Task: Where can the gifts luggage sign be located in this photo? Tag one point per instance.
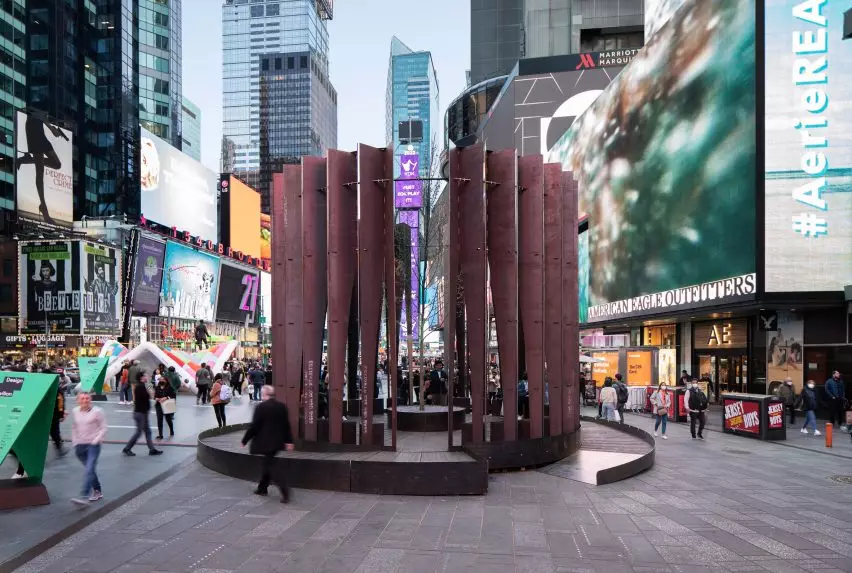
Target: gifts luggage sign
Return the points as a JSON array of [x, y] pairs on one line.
[[93, 374], [26, 411]]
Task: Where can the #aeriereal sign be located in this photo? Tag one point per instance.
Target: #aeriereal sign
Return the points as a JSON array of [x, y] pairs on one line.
[[409, 194], [742, 416]]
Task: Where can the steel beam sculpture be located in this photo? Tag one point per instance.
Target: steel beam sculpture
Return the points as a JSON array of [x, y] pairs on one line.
[[511, 226]]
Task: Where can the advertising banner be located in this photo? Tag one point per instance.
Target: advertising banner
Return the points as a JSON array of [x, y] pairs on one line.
[[26, 410], [148, 276], [607, 368], [694, 193], [775, 411], [409, 194], [45, 182], [785, 351], [266, 239], [190, 281], [667, 365], [639, 371], [808, 147], [101, 271], [742, 416], [242, 230], [238, 294], [412, 219], [51, 289], [177, 191]]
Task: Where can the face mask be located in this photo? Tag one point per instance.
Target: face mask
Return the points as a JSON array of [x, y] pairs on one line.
[[695, 384], [662, 387], [810, 386]]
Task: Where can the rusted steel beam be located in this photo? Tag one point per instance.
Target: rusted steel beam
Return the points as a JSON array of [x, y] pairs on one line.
[[279, 287], [390, 291], [553, 293], [293, 301], [570, 307]]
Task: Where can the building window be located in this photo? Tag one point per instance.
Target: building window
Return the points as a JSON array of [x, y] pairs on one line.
[[303, 62], [264, 65], [272, 10], [291, 63], [277, 63], [257, 11]]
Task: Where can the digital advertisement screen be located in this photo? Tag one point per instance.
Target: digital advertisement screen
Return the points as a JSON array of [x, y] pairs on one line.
[[51, 289], [101, 270], [409, 194], [190, 282], [808, 201], [45, 180], [239, 290], [266, 238], [148, 276], [177, 191], [244, 230], [666, 162], [639, 370], [607, 368]]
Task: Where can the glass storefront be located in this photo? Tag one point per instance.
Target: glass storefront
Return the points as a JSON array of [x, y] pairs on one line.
[[720, 356]]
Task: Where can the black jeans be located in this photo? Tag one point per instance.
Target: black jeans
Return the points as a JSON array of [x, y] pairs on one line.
[[267, 475], [169, 420], [792, 409], [620, 409], [219, 410], [54, 433], [697, 417], [837, 410], [143, 426], [203, 395]]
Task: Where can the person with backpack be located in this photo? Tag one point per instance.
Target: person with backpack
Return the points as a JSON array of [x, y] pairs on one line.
[[202, 382], [696, 403], [808, 400], [220, 395], [622, 394]]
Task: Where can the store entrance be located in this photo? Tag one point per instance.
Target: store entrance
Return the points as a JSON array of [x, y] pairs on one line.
[[727, 372]]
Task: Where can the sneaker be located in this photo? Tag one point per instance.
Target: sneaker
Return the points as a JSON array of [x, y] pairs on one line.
[[694, 438], [81, 501], [155, 452], [804, 431], [817, 433], [656, 434], [262, 492], [19, 476], [700, 437], [159, 437], [128, 453], [96, 496], [62, 452], [664, 437], [843, 427]]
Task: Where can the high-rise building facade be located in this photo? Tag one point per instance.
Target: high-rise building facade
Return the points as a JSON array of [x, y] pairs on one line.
[[258, 136], [160, 88], [504, 31], [191, 129], [13, 86], [83, 74], [411, 103]]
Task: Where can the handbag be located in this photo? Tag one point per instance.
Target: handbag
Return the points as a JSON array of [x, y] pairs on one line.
[[169, 406], [662, 411]]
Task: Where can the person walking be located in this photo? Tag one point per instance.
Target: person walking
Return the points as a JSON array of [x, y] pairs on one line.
[[220, 395], [788, 394], [124, 389], [609, 401], [256, 378], [237, 377], [203, 377], [88, 430], [174, 380], [696, 403], [58, 417], [164, 404], [623, 395], [201, 335], [141, 408], [835, 389], [269, 433], [660, 406], [808, 401], [226, 378]]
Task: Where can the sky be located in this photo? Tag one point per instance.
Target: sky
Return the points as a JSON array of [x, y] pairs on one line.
[[360, 37]]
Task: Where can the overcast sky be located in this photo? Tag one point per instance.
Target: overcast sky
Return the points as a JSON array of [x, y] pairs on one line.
[[360, 37]]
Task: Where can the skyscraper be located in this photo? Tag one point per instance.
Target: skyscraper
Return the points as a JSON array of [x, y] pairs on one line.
[[191, 129], [275, 60], [160, 89], [496, 37], [13, 87], [412, 117]]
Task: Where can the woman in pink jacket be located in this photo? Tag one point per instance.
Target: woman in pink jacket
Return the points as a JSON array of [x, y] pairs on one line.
[[88, 430]]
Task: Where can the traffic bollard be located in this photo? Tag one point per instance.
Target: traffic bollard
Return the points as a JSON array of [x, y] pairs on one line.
[[828, 434]]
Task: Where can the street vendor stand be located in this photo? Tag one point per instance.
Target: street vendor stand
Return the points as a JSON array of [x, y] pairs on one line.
[[754, 415]]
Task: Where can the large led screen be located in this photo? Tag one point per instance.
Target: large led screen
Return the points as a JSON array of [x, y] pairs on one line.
[[177, 191], [148, 277], [239, 289], [666, 163], [808, 202], [190, 282], [244, 218], [45, 181]]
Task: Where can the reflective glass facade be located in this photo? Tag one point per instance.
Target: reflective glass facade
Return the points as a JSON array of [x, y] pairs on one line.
[[13, 87], [412, 94], [261, 29], [84, 75], [191, 129], [496, 37], [160, 89]]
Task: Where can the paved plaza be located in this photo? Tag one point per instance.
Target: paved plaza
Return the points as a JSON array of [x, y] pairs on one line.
[[725, 504]]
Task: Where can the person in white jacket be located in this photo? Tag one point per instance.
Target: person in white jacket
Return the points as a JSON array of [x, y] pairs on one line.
[[88, 430]]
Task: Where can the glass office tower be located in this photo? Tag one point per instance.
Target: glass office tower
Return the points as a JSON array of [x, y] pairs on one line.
[[258, 134], [13, 78], [160, 89], [191, 129]]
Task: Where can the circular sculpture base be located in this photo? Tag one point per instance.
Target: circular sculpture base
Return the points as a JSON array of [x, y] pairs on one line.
[[430, 419]]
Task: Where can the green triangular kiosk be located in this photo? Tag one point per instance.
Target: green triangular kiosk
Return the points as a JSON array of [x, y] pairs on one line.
[[93, 374], [26, 411]]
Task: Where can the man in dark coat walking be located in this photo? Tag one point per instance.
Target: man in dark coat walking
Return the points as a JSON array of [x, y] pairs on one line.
[[270, 433]]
